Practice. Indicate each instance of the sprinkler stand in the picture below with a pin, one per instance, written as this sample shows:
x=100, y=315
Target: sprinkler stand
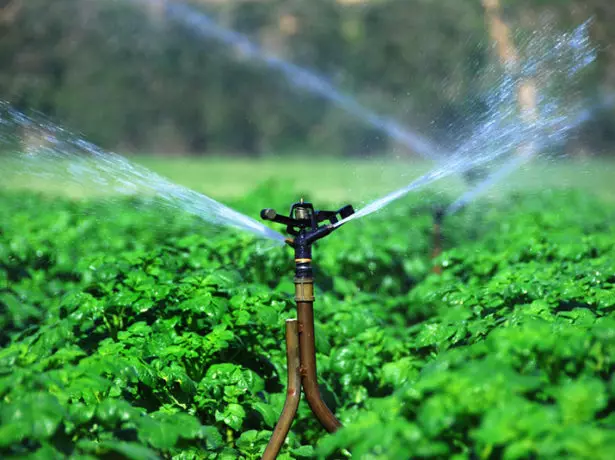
x=303, y=223
x=293, y=392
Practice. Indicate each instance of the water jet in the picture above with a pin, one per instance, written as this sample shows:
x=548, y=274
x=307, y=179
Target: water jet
x=55, y=154
x=306, y=80
x=505, y=129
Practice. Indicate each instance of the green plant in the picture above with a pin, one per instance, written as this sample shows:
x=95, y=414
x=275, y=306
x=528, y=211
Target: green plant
x=124, y=337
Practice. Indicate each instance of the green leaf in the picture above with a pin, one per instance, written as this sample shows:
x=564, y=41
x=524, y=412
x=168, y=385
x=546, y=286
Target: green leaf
x=130, y=450
x=580, y=400
x=113, y=411
x=232, y=416
x=157, y=433
x=37, y=416
x=270, y=415
x=399, y=372
x=304, y=451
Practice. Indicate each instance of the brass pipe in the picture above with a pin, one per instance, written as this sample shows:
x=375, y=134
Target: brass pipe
x=309, y=380
x=293, y=392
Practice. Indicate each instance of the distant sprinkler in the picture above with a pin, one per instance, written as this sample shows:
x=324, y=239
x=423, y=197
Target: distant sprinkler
x=439, y=213
x=306, y=226
x=474, y=175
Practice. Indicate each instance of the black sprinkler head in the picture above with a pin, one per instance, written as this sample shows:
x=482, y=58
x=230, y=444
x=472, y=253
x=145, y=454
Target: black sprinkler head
x=306, y=226
x=304, y=222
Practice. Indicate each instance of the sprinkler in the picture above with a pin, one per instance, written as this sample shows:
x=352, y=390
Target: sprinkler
x=439, y=213
x=306, y=226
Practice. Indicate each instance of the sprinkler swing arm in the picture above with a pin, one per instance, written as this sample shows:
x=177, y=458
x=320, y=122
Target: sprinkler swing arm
x=306, y=226
x=303, y=221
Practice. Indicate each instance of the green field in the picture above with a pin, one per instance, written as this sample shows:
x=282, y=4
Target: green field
x=331, y=179
x=130, y=330
x=343, y=180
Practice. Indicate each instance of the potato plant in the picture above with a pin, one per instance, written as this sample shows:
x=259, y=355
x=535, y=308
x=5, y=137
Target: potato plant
x=130, y=332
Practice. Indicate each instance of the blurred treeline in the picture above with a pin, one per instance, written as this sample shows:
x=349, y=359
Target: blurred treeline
x=131, y=80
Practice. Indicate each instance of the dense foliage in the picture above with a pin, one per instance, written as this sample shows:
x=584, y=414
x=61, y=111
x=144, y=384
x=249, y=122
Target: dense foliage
x=125, y=332
x=131, y=80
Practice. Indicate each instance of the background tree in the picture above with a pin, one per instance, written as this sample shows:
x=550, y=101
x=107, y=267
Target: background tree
x=130, y=79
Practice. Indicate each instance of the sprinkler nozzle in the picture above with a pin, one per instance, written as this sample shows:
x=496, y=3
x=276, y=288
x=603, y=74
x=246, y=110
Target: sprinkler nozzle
x=346, y=211
x=268, y=214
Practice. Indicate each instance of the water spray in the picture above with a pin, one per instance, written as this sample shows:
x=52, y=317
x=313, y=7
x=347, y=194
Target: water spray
x=299, y=77
x=53, y=153
x=516, y=162
x=305, y=226
x=492, y=140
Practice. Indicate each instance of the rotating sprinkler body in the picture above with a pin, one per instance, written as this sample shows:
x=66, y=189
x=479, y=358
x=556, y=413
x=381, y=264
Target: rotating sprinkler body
x=305, y=226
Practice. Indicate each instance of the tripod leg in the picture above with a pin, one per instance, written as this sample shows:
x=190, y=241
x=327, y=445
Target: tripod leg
x=293, y=392
x=307, y=346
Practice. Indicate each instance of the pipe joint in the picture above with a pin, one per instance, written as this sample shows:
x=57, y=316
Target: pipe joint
x=304, y=290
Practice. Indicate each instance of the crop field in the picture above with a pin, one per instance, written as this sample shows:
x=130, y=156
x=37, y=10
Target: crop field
x=129, y=331
x=332, y=180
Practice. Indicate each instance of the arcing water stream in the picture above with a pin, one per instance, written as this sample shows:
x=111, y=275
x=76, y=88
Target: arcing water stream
x=55, y=153
x=554, y=67
x=299, y=77
x=500, y=133
x=517, y=161
x=552, y=64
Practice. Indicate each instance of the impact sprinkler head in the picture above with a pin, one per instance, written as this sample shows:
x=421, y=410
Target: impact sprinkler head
x=306, y=226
